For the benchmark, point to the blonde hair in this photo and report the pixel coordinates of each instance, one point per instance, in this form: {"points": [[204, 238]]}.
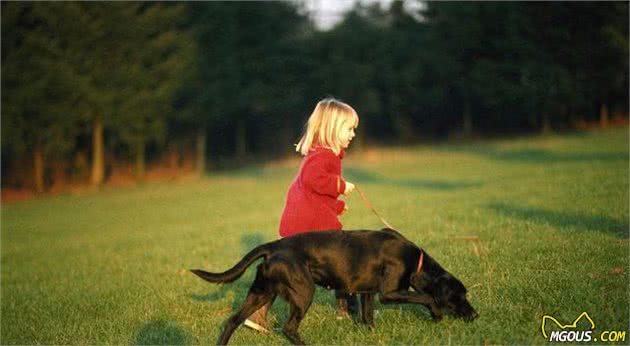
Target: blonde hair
{"points": [[324, 124]]}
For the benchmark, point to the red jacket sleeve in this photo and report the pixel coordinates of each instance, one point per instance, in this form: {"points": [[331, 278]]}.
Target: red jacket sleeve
{"points": [[340, 206], [322, 174]]}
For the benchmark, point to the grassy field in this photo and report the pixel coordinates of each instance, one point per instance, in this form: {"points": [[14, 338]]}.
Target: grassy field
{"points": [[550, 213]]}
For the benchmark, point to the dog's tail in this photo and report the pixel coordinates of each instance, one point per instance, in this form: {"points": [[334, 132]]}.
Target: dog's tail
{"points": [[236, 271]]}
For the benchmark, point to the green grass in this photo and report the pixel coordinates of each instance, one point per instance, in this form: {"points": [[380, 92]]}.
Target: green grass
{"points": [[551, 214]]}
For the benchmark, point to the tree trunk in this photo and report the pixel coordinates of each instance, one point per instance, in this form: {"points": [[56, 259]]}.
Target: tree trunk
{"points": [[200, 162], [467, 127], [140, 165], [98, 153], [402, 122], [403, 127], [604, 116], [38, 168], [241, 138], [284, 142], [546, 123]]}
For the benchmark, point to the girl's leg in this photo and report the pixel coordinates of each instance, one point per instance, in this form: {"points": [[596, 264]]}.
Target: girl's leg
{"points": [[347, 305], [258, 320]]}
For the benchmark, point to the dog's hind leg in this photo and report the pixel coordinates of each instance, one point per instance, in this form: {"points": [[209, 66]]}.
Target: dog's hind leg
{"points": [[290, 329], [260, 293], [300, 303], [299, 294]]}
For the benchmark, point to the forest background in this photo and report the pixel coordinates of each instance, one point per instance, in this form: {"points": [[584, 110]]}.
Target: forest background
{"points": [[97, 93]]}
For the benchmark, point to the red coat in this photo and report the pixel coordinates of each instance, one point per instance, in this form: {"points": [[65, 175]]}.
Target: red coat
{"points": [[312, 203]]}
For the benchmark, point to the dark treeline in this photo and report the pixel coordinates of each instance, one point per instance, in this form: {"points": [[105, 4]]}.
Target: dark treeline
{"points": [[87, 85]]}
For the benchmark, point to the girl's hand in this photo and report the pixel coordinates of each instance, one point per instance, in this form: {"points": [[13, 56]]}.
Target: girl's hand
{"points": [[345, 209], [349, 188]]}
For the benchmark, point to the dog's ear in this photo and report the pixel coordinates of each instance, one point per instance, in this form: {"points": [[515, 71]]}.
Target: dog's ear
{"points": [[439, 290], [443, 288], [420, 281]]}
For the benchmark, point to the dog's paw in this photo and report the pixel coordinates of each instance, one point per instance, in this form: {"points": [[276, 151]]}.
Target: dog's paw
{"points": [[369, 325], [436, 318]]}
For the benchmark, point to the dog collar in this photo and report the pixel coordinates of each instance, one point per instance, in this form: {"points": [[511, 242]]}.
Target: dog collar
{"points": [[420, 262]]}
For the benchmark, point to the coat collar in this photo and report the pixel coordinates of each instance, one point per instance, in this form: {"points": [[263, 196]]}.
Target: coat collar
{"points": [[319, 148]]}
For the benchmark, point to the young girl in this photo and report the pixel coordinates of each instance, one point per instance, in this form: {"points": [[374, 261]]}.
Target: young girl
{"points": [[311, 203]]}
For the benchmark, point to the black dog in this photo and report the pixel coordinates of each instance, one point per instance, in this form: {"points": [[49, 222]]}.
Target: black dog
{"points": [[364, 262]]}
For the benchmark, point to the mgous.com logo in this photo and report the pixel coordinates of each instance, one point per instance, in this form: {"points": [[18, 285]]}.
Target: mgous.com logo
{"points": [[581, 330]]}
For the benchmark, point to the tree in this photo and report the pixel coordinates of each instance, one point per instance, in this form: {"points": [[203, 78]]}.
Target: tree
{"points": [[342, 66], [533, 61], [133, 71], [599, 58], [237, 84], [150, 76], [40, 89], [459, 35]]}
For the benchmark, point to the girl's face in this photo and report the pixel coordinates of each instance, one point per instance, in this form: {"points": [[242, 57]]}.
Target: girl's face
{"points": [[346, 133]]}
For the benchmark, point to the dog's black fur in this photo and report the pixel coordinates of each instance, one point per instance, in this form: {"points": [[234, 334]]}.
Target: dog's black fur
{"points": [[364, 262]]}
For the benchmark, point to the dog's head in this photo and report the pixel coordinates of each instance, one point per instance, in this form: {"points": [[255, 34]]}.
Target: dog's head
{"points": [[447, 291]]}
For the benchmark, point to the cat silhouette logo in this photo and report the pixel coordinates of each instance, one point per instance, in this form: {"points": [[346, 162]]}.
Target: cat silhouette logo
{"points": [[568, 332]]}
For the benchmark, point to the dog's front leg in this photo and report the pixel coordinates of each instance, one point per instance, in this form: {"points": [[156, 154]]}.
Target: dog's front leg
{"points": [[436, 314], [367, 309], [413, 298]]}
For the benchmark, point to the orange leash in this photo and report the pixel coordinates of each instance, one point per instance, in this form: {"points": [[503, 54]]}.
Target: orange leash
{"points": [[371, 207]]}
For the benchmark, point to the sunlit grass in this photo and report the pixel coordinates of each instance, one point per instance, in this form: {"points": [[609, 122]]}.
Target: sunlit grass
{"points": [[550, 213]]}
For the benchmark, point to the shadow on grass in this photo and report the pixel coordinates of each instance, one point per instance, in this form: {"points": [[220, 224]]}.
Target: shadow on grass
{"points": [[362, 176], [538, 155], [250, 241], [419, 311], [240, 287], [161, 332], [581, 222]]}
